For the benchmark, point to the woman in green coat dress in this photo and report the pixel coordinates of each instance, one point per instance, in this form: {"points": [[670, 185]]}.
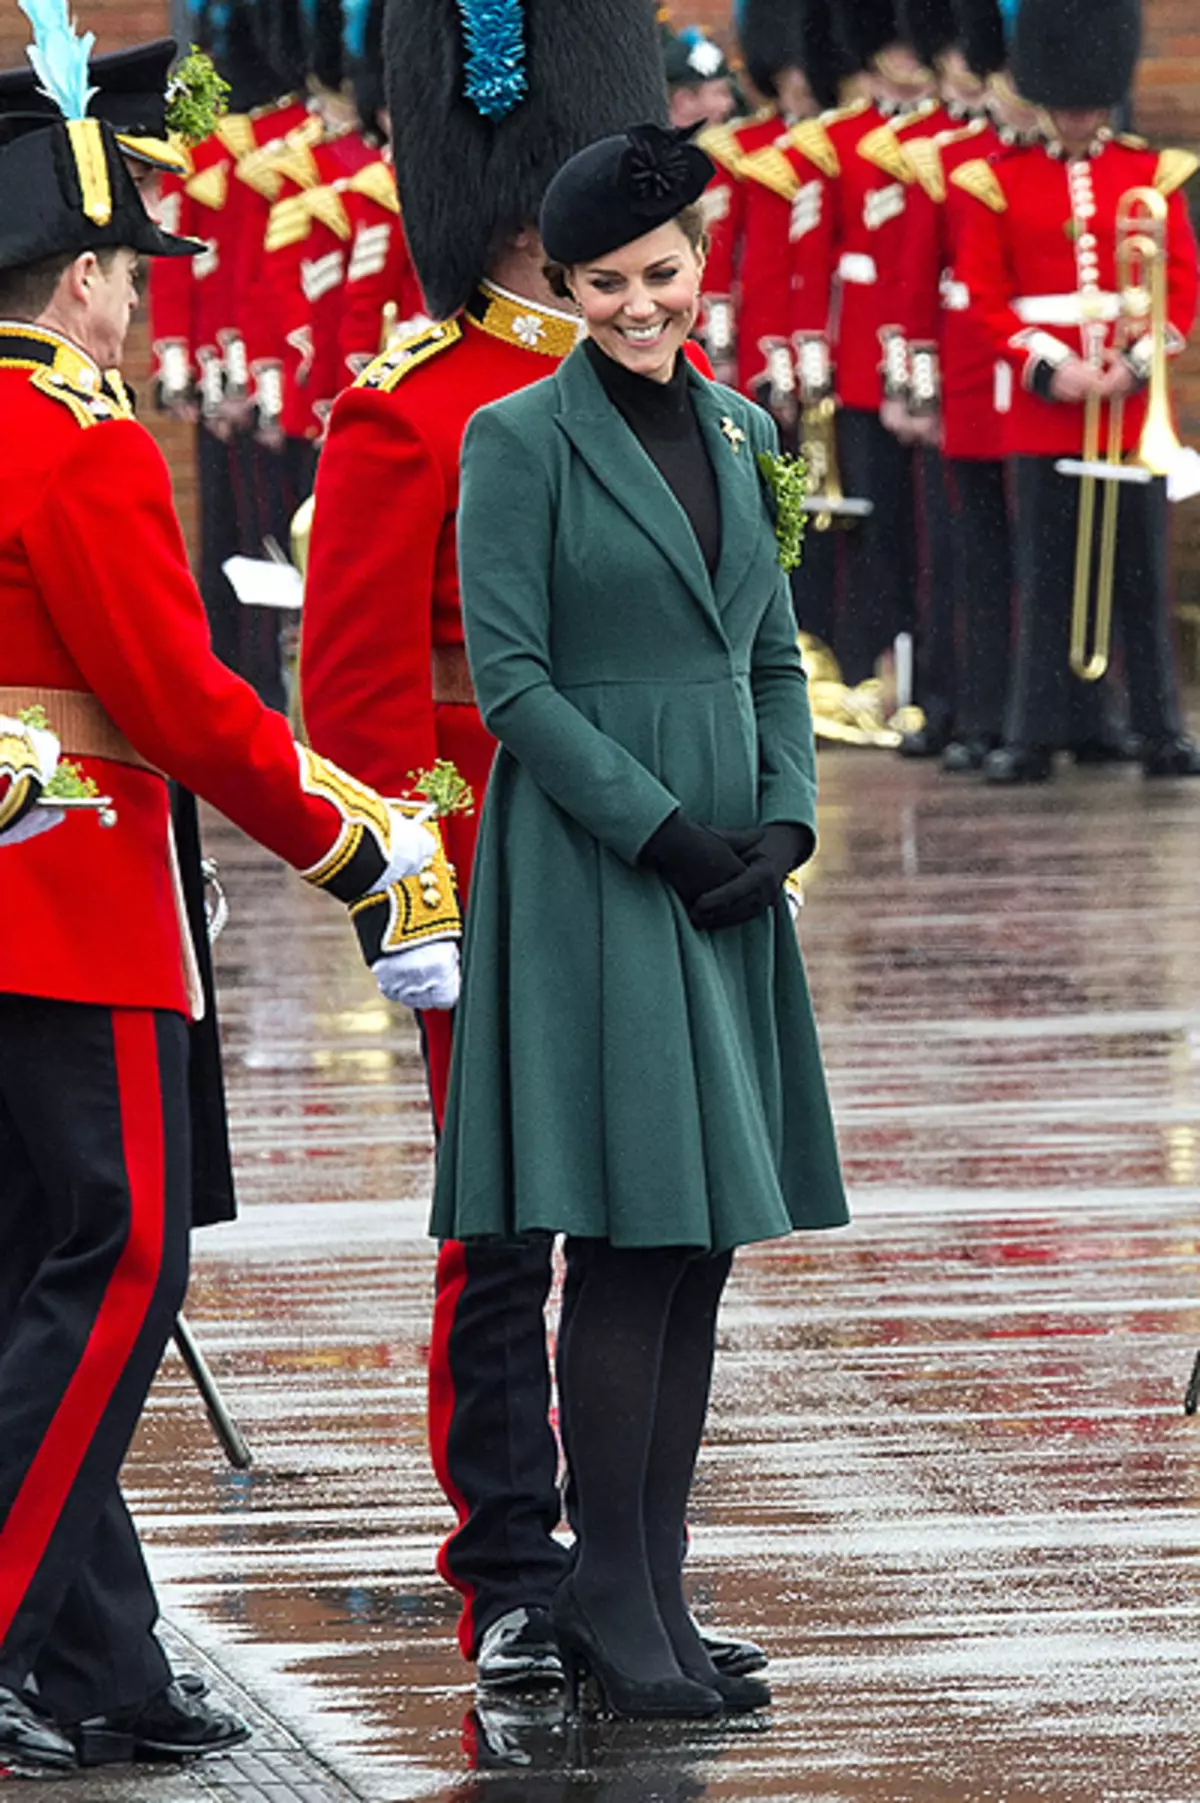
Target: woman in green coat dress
{"points": [[635, 1060]]}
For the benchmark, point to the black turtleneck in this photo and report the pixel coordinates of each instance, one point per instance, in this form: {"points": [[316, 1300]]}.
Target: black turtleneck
{"points": [[663, 420]]}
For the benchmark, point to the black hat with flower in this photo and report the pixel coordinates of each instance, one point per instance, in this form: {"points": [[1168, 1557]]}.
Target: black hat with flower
{"points": [[620, 188]]}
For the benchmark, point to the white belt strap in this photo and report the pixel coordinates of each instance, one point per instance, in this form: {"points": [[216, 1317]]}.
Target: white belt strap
{"points": [[857, 268], [1067, 309]]}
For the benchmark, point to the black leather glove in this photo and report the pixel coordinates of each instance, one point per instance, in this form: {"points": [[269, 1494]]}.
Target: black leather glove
{"points": [[781, 847], [692, 858]]}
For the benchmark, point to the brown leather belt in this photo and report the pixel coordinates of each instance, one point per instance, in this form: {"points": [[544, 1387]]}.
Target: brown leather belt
{"points": [[79, 722], [452, 686]]}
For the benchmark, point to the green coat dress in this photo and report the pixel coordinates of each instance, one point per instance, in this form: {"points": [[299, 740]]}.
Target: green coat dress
{"points": [[618, 1073]]}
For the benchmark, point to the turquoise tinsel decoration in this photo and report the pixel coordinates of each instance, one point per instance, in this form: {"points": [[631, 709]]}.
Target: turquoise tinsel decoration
{"points": [[494, 31], [354, 28]]}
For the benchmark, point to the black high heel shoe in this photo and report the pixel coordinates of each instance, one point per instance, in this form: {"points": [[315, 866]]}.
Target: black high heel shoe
{"points": [[659, 1698]]}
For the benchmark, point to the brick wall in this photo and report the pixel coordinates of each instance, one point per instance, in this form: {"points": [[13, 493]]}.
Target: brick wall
{"points": [[1167, 109]]}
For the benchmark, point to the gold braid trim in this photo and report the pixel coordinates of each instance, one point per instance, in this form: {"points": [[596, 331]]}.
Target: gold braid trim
{"points": [[408, 353], [360, 808], [419, 907], [378, 183], [771, 169], [1174, 168], [926, 161], [813, 141], [210, 187], [882, 148], [87, 147]]}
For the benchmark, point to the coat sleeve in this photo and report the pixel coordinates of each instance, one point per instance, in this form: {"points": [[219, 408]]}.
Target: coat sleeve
{"points": [[366, 641], [787, 764], [506, 531], [105, 547]]}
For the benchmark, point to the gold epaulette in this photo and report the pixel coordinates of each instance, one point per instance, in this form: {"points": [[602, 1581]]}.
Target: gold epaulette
{"points": [[813, 141], [265, 167], [1130, 140], [210, 187], [1174, 168], [882, 148], [378, 182], [926, 160], [408, 353], [835, 114], [291, 219], [978, 178], [58, 370], [720, 142], [235, 133], [771, 169]]}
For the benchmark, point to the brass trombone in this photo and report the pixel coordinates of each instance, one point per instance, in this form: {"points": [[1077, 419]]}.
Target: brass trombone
{"points": [[1141, 258]]}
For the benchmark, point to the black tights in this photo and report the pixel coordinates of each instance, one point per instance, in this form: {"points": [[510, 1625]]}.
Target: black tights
{"points": [[634, 1369]]}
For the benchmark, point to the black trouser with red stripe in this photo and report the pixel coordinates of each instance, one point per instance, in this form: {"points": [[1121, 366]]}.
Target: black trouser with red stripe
{"points": [[94, 1216], [494, 1450]]}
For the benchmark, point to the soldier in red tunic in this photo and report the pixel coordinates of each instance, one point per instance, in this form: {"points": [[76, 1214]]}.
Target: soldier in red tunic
{"points": [[770, 239], [103, 628], [1038, 260], [383, 642]]}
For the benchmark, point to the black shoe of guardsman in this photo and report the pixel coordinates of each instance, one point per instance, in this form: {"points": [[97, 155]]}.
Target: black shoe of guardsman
{"points": [[733, 1658], [28, 1742], [519, 1652], [172, 1725], [1018, 764], [1170, 757]]}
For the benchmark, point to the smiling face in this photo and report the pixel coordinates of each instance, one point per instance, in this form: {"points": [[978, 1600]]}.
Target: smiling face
{"points": [[639, 302]]}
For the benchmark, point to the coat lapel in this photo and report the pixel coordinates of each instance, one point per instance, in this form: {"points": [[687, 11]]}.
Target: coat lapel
{"points": [[615, 458], [739, 486]]}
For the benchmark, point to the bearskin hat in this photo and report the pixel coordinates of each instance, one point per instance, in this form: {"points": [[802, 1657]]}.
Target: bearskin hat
{"points": [[929, 26], [980, 31], [864, 28], [1075, 53], [488, 99]]}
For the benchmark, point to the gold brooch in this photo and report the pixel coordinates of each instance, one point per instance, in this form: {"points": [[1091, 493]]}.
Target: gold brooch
{"points": [[733, 433]]}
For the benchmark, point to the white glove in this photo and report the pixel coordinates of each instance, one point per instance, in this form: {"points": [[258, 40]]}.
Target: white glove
{"points": [[38, 820], [411, 849], [424, 977]]}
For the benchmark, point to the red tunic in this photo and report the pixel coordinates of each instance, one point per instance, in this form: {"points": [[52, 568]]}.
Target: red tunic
{"points": [[96, 597], [931, 301], [379, 271], [191, 300], [1038, 261], [866, 181]]}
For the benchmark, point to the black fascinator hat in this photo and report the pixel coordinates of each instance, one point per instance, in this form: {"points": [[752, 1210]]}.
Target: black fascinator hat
{"points": [[620, 188]]}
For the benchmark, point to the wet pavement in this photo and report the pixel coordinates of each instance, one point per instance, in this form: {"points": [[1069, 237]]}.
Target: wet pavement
{"points": [[948, 1483]]}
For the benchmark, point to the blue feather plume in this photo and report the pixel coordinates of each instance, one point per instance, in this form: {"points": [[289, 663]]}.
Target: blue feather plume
{"points": [[1008, 13], [59, 56], [494, 31]]}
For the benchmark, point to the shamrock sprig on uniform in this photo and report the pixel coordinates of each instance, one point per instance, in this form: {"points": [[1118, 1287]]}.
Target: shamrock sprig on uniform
{"points": [[196, 98]]}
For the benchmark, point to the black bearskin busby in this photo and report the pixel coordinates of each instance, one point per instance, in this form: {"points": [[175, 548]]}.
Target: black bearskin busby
{"points": [[864, 28], [771, 35], [822, 57], [574, 71], [325, 52], [230, 35], [367, 74], [284, 43], [1075, 53], [980, 25], [929, 26]]}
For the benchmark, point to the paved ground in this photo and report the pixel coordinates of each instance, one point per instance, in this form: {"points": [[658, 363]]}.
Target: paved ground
{"points": [[949, 1482]]}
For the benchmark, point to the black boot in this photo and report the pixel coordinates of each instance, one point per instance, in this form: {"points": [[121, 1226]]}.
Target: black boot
{"points": [[963, 755], [172, 1725], [519, 1653], [1010, 764], [28, 1742], [1170, 757]]}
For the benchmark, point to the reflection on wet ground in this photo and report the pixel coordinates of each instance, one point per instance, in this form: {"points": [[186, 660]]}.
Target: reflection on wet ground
{"points": [[949, 1484]]}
